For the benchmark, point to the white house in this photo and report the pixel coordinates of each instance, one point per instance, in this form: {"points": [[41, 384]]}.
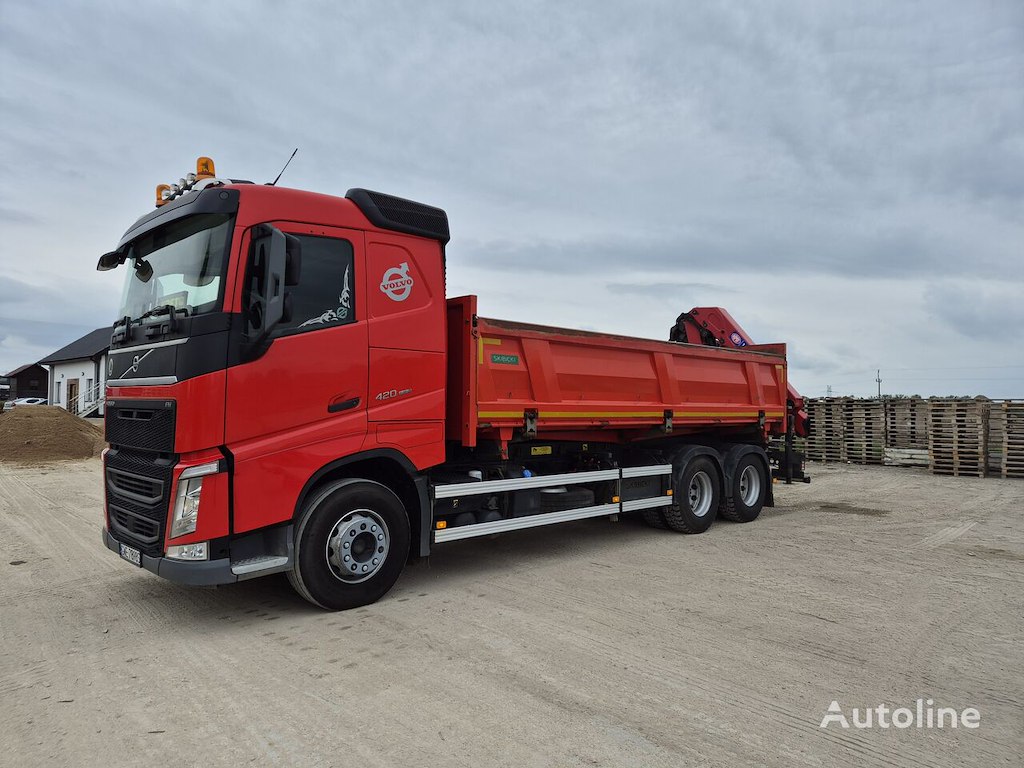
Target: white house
{"points": [[78, 373]]}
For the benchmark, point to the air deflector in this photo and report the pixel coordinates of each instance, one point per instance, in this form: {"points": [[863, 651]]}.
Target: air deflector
{"points": [[401, 215]]}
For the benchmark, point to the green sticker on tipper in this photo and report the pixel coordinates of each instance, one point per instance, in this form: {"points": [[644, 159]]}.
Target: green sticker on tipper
{"points": [[505, 359]]}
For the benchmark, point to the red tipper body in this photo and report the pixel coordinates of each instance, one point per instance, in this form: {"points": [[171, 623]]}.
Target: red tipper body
{"points": [[582, 385]]}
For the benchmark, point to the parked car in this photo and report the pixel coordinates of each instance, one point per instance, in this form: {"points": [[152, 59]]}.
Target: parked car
{"points": [[25, 401]]}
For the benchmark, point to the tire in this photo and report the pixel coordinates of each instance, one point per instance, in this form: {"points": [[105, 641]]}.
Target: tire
{"points": [[344, 530], [695, 497], [749, 488]]}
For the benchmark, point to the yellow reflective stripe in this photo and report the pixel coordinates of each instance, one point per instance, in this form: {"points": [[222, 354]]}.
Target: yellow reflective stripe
{"points": [[620, 414], [716, 414], [598, 414], [569, 414], [492, 342]]}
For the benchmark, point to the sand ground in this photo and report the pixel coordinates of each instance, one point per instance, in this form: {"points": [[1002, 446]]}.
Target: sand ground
{"points": [[593, 644]]}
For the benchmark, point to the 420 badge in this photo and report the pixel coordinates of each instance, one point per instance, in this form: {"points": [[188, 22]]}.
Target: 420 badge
{"points": [[396, 283]]}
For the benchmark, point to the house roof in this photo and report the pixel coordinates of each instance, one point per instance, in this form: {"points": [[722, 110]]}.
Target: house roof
{"points": [[87, 347], [16, 371]]}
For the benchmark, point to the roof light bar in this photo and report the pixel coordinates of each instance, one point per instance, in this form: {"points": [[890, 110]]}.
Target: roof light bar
{"points": [[204, 168], [203, 177]]}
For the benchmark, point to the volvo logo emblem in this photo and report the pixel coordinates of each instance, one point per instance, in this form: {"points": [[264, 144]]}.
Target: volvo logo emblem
{"points": [[396, 283], [134, 367]]}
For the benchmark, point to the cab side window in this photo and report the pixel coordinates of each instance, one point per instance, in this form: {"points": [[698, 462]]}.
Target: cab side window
{"points": [[325, 295]]}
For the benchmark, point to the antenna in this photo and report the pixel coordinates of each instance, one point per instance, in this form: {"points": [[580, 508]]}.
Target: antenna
{"points": [[274, 182], [878, 378]]}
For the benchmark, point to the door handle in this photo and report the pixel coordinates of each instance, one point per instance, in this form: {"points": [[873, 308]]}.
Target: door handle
{"points": [[343, 405]]}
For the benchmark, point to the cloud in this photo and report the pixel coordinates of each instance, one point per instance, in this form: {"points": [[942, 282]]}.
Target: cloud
{"points": [[977, 309], [36, 320], [667, 288], [875, 245], [23, 341], [774, 158], [12, 216]]}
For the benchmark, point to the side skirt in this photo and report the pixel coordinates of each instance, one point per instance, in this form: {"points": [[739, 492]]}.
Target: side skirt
{"points": [[664, 499]]}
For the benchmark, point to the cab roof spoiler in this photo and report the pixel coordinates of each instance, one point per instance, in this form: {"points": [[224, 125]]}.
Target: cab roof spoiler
{"points": [[401, 215]]}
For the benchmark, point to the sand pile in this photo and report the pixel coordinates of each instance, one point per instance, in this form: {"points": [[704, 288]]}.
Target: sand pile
{"points": [[39, 433]]}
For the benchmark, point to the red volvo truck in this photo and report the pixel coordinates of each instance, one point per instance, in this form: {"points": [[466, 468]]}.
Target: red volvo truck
{"points": [[289, 390]]}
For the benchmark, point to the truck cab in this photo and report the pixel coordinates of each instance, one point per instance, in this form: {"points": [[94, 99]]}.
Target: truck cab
{"points": [[267, 335]]}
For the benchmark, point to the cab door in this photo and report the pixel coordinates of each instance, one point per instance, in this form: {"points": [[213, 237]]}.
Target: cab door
{"points": [[406, 316], [303, 402]]}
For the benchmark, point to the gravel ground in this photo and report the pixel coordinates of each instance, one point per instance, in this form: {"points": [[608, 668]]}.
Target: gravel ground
{"points": [[594, 643]]}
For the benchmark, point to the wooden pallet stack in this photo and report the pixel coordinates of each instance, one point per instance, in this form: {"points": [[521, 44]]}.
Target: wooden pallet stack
{"points": [[1013, 438], [906, 428], [996, 437], [864, 430], [825, 442], [907, 422], [958, 437], [951, 436]]}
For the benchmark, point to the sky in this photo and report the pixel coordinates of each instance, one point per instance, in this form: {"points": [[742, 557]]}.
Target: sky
{"points": [[847, 178]]}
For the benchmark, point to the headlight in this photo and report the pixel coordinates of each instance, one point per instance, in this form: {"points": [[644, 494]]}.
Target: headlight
{"points": [[186, 505], [195, 551]]}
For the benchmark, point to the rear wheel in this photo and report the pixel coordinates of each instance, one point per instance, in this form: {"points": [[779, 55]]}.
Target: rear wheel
{"points": [[749, 488], [351, 543], [695, 497]]}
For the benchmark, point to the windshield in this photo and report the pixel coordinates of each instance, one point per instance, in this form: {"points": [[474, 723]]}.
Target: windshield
{"points": [[188, 258]]}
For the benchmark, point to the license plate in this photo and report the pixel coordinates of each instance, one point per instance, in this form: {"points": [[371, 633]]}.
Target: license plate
{"points": [[131, 554]]}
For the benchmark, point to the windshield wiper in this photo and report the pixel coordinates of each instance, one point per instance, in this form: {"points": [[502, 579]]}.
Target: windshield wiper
{"points": [[122, 330], [163, 309]]}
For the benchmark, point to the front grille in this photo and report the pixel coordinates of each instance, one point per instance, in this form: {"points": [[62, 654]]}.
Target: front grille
{"points": [[147, 425], [136, 527], [144, 490], [138, 497]]}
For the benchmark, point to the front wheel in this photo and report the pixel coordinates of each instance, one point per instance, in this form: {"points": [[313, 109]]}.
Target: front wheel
{"points": [[351, 543], [695, 497]]}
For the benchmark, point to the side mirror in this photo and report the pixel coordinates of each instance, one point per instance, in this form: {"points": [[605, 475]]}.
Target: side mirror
{"points": [[267, 261], [143, 269], [109, 261], [292, 260]]}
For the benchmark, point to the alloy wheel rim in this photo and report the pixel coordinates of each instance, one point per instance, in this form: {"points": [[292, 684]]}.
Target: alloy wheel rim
{"points": [[357, 546], [750, 486], [699, 493]]}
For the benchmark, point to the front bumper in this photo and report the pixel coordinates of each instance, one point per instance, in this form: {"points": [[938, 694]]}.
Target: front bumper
{"points": [[198, 572], [267, 553]]}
